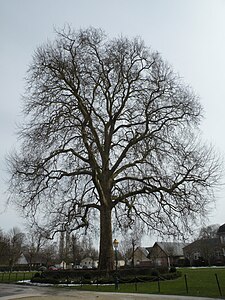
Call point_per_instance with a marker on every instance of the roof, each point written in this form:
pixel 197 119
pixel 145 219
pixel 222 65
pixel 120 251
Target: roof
pixel 149 249
pixel 88 258
pixel 22 260
pixel 172 248
pixel 35 258
pixel 144 250
pixel 221 229
pixel 204 243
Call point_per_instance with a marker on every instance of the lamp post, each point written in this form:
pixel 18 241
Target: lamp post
pixel 133 247
pixel 115 245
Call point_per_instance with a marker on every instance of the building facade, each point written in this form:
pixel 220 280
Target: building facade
pixel 167 254
pixel 207 251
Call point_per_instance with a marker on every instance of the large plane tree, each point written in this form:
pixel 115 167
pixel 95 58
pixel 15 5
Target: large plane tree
pixel 110 136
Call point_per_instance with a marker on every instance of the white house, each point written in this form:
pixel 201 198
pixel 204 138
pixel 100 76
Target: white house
pixel 61 265
pixel 22 260
pixel 89 263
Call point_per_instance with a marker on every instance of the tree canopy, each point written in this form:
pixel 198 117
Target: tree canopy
pixel 208 232
pixel 110 133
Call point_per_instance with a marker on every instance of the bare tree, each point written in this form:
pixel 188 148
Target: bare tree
pixel 16 239
pixel 4 248
pixel 48 253
pixel 131 239
pixel 109 131
pixel 209 232
pixel 34 245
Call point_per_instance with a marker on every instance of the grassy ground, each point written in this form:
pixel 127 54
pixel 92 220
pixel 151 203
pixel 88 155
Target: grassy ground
pixel 7 277
pixel 200 282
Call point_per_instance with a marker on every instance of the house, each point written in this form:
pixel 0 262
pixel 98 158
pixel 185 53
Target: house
pixel 208 251
pixel 89 263
pixel 26 260
pixel 167 254
pixel 204 252
pixel 221 236
pixel 35 260
pixel 140 256
pixel 61 265
pixel 22 260
pixel 120 263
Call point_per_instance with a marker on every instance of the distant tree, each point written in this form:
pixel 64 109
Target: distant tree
pixel 74 247
pixel 88 250
pixel 110 131
pixel 33 245
pixel 209 231
pixel 131 238
pixel 16 240
pixel 4 248
pixel 48 253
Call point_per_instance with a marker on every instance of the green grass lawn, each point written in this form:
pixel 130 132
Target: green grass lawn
pixel 7 277
pixel 200 282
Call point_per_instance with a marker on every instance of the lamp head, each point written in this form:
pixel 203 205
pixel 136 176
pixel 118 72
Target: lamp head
pixel 115 244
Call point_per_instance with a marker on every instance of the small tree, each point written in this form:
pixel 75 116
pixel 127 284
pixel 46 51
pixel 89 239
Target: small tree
pixel 209 231
pixel 110 131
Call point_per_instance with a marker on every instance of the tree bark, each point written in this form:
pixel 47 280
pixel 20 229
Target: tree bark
pixel 106 255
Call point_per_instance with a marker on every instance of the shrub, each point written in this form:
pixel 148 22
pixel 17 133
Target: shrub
pixel 173 270
pixel 155 273
pixel 99 277
pixel 45 280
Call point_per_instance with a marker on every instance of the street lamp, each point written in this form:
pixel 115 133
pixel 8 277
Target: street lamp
pixel 115 245
pixel 133 247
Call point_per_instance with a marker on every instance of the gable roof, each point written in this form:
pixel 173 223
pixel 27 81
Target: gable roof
pixel 144 250
pixel 149 249
pixel 172 248
pixel 204 243
pixel 36 258
pixel 221 229
pixel 22 260
pixel 88 258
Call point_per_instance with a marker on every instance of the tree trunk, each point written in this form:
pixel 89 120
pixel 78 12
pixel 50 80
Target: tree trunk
pixel 106 255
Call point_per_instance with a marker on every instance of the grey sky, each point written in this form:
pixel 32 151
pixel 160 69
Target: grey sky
pixel 189 34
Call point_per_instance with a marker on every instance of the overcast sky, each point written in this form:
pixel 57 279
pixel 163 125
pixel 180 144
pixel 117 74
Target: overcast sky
pixel 189 34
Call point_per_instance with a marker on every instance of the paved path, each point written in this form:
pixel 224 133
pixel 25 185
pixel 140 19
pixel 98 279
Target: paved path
pixel 13 291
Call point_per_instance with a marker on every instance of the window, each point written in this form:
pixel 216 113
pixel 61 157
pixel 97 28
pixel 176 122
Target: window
pixel 196 255
pixel 158 261
pixel 217 253
pixel 222 239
